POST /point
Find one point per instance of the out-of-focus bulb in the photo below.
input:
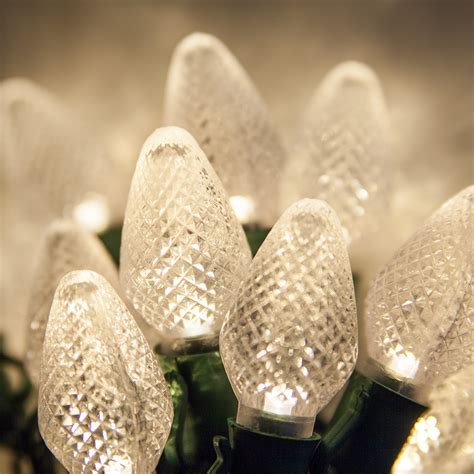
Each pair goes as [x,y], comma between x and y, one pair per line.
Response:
[419,314]
[184,254]
[442,440]
[66,247]
[341,155]
[104,404]
[52,164]
[209,93]
[289,343]
[92,213]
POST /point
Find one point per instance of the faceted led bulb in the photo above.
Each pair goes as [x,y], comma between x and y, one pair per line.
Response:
[51,163]
[184,254]
[209,94]
[341,155]
[289,343]
[442,440]
[66,247]
[419,310]
[103,405]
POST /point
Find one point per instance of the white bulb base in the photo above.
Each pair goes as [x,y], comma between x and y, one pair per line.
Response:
[394,380]
[280,425]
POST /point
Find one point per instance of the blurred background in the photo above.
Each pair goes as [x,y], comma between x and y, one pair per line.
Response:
[107,62]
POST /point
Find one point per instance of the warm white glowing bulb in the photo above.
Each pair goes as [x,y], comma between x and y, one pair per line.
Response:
[442,439]
[66,247]
[184,254]
[289,343]
[341,154]
[419,322]
[52,163]
[209,93]
[92,213]
[103,404]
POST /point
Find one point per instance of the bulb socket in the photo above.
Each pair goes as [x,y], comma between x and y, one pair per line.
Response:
[279,425]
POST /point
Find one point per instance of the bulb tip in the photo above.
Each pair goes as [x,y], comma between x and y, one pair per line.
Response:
[171,137]
[197,45]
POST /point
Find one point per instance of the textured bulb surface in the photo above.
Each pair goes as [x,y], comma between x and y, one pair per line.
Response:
[442,440]
[209,93]
[419,310]
[184,254]
[290,341]
[103,404]
[341,153]
[66,247]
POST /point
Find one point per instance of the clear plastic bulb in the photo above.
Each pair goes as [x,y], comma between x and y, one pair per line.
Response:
[442,439]
[209,94]
[184,254]
[52,164]
[419,307]
[66,247]
[341,154]
[104,404]
[289,343]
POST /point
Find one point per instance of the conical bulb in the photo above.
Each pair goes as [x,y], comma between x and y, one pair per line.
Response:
[184,254]
[341,155]
[289,343]
[52,164]
[209,93]
[442,440]
[104,404]
[419,307]
[66,247]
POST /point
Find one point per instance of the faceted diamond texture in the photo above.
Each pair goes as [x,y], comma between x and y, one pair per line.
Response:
[419,311]
[209,94]
[103,405]
[66,247]
[341,154]
[290,341]
[184,254]
[442,440]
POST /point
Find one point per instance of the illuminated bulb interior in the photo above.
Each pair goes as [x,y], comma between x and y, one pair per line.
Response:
[103,401]
[289,342]
[92,213]
[404,364]
[244,208]
[417,313]
[184,253]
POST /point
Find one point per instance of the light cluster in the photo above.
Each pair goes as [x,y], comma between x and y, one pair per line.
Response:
[442,440]
[289,342]
[286,321]
[184,253]
[419,311]
[51,159]
[66,247]
[103,403]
